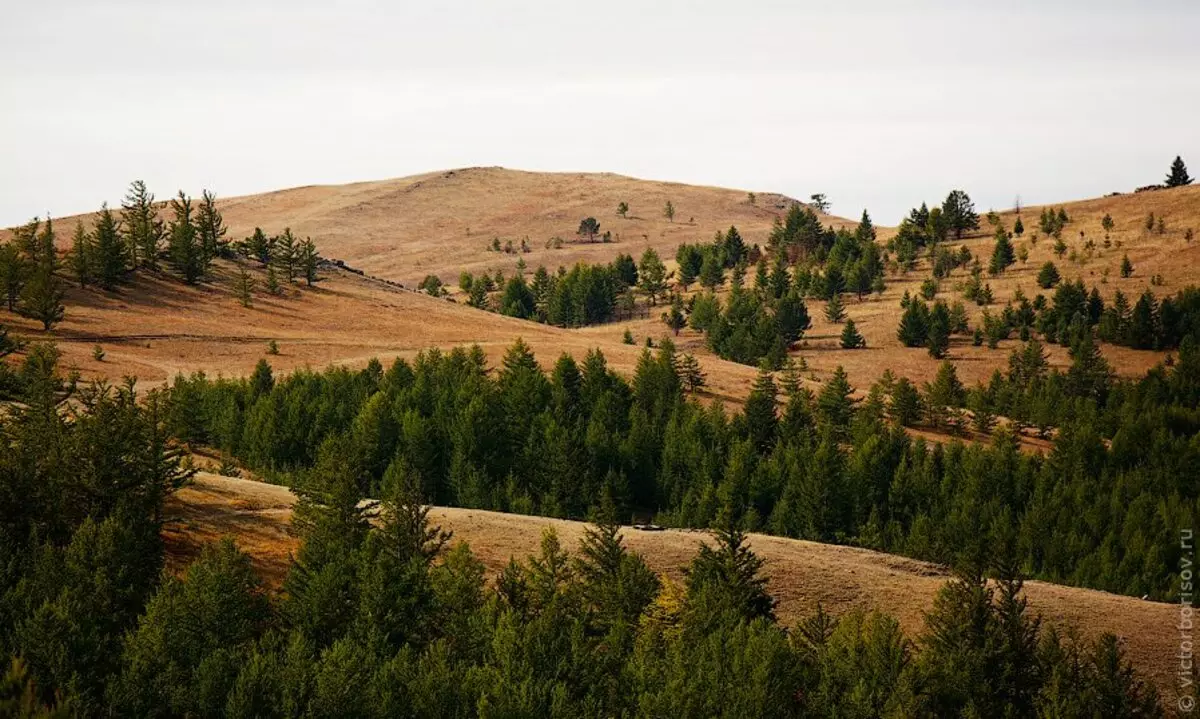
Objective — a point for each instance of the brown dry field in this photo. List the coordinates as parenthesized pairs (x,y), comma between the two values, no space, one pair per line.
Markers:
(802,574)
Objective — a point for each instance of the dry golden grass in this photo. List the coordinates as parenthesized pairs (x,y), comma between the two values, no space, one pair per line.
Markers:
(802,574)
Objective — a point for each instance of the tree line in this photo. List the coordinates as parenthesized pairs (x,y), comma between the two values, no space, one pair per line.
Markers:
(117,245)
(382,615)
(1098,510)
(586,294)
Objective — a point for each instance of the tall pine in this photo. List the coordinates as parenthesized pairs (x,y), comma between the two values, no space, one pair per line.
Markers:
(187,256)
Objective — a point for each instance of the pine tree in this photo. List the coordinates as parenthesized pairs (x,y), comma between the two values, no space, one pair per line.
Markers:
(1048,276)
(674,318)
(712,272)
(1178,176)
(1107,224)
(109,254)
(272,281)
(623,209)
(211,229)
(851,339)
(835,311)
(760,410)
(81,255)
(259,246)
(143,230)
(959,213)
(938,338)
(186,255)
(834,404)
(245,288)
(1126,267)
(14,271)
(690,374)
(42,298)
(287,254)
(652,275)
(1018,227)
(1002,254)
(905,405)
(669,211)
(309,259)
(914,324)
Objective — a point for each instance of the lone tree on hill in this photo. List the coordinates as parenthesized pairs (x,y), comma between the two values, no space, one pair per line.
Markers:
(623,208)
(959,213)
(589,228)
(669,211)
(1178,176)
(1126,267)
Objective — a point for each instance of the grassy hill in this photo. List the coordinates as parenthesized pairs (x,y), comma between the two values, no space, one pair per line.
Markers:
(802,573)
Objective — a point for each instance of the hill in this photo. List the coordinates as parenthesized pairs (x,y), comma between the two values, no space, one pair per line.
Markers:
(442,223)
(802,573)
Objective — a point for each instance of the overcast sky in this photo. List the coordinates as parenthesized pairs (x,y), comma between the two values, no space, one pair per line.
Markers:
(878,104)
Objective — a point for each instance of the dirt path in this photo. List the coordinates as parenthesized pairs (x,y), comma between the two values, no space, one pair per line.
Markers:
(802,573)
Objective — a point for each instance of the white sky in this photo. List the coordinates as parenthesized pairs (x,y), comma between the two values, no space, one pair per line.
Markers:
(879,104)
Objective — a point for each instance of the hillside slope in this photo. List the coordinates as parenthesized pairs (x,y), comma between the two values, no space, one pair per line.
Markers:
(802,573)
(443,223)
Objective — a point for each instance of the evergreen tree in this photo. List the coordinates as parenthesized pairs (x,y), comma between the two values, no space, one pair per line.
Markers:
(1107,224)
(245,288)
(669,211)
(42,298)
(1018,227)
(905,406)
(734,247)
(835,311)
(674,318)
(712,271)
(938,338)
(690,374)
(1178,176)
(1126,267)
(14,271)
(623,209)
(81,255)
(286,251)
(727,579)
(108,252)
(309,259)
(914,324)
(143,229)
(759,411)
(653,275)
(834,405)
(851,339)
(210,228)
(1002,254)
(959,213)
(1048,276)
(259,246)
(187,256)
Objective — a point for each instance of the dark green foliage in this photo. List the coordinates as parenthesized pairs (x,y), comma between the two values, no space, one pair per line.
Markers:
(851,339)
(959,213)
(42,298)
(143,229)
(1178,176)
(652,275)
(183,243)
(1126,267)
(835,311)
(432,286)
(1048,276)
(1003,256)
(589,228)
(210,229)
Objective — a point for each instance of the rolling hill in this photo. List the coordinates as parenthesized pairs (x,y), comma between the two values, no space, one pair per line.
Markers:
(802,574)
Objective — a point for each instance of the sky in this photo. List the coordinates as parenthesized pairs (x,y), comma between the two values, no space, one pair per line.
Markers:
(878,104)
